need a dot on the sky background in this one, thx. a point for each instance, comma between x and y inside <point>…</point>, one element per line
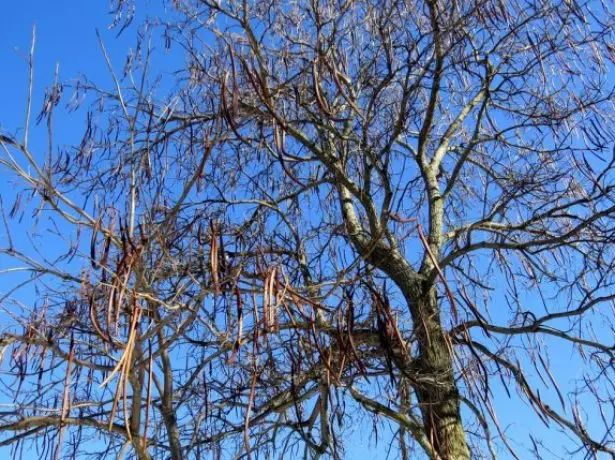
<point>65,34</point>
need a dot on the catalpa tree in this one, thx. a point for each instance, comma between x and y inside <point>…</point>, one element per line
<point>351,213</point>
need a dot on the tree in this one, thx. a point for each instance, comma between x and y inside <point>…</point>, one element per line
<point>341,209</point>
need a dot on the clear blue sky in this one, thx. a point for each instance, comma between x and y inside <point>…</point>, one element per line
<point>66,35</point>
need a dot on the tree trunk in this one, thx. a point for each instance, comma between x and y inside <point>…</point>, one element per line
<point>436,389</point>
<point>439,400</point>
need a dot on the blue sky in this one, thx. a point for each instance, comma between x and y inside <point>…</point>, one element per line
<point>65,34</point>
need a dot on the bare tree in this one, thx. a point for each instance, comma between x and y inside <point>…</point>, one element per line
<point>342,210</point>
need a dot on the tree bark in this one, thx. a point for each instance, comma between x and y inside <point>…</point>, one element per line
<point>439,400</point>
<point>435,389</point>
<point>166,407</point>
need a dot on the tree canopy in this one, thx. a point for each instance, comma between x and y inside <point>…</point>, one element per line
<point>342,212</point>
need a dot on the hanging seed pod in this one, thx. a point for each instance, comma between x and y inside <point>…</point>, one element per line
<point>239,326</point>
<point>95,265</point>
<point>213,258</point>
<point>317,91</point>
<point>273,305</point>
